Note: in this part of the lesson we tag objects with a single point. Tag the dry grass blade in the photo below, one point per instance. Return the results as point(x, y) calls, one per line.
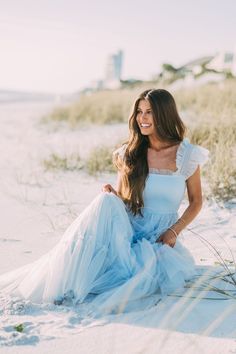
point(217, 254)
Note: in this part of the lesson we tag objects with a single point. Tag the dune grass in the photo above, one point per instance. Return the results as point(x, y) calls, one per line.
point(211, 102)
point(98, 161)
point(101, 107)
point(212, 109)
point(70, 162)
point(220, 171)
point(213, 125)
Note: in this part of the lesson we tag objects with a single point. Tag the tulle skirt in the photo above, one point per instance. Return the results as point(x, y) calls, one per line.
point(101, 262)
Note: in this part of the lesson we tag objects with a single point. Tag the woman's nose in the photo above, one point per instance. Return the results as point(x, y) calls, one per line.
point(143, 115)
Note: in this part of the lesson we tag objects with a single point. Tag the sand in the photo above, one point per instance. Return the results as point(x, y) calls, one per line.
point(36, 207)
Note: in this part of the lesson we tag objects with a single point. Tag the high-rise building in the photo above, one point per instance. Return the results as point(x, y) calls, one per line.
point(114, 69)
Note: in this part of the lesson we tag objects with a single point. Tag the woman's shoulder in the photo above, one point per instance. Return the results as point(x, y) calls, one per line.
point(190, 156)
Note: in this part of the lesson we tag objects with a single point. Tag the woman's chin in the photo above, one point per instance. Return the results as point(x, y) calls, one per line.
point(145, 133)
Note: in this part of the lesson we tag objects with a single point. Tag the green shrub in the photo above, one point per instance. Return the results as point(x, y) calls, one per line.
point(19, 327)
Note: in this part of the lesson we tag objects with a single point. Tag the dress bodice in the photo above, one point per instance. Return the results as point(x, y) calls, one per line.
point(164, 189)
point(167, 189)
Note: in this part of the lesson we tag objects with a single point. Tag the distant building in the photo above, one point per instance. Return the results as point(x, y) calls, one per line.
point(113, 70)
point(214, 68)
point(196, 66)
point(223, 61)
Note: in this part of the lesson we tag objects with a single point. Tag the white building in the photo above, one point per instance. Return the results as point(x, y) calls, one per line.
point(114, 70)
point(223, 62)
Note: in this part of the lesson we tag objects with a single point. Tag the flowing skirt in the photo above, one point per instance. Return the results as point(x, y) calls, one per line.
point(99, 261)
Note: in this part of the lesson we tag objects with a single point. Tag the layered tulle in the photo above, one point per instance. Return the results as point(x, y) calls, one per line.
point(100, 255)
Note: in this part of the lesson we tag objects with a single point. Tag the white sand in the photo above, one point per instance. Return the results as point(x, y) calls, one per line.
point(37, 206)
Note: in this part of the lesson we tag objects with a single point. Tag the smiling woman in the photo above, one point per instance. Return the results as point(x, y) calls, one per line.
point(156, 131)
point(125, 245)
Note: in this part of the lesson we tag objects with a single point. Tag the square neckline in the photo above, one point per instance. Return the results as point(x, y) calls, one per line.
point(156, 171)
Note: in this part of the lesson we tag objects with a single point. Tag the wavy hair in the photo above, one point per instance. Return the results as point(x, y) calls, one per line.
point(134, 166)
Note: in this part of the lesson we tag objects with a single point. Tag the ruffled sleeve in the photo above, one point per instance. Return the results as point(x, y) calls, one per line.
point(189, 157)
point(118, 157)
point(120, 152)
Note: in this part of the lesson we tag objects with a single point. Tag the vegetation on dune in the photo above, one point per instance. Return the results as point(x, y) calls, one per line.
point(101, 107)
point(213, 116)
point(98, 161)
point(67, 162)
point(211, 102)
point(214, 127)
point(220, 172)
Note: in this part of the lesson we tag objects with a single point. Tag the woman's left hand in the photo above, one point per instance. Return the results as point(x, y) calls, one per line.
point(108, 188)
point(167, 238)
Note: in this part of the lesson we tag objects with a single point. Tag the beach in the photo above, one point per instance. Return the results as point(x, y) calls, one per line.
point(36, 208)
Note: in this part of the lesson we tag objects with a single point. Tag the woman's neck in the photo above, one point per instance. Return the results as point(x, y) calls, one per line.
point(157, 144)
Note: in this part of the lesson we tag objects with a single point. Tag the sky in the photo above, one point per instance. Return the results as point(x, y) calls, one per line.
point(60, 46)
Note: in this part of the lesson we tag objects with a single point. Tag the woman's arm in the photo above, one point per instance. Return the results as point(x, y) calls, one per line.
point(194, 191)
point(109, 188)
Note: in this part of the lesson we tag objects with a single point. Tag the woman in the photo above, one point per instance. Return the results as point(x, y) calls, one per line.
point(125, 245)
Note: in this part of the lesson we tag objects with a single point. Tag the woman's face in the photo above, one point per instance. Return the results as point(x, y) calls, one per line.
point(145, 118)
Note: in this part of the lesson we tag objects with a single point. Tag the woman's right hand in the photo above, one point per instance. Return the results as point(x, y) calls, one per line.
point(167, 238)
point(108, 188)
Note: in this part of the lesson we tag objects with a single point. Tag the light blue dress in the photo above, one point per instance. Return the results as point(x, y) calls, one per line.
point(108, 258)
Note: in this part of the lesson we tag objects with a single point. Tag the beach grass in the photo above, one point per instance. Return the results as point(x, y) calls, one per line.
point(98, 161)
point(220, 171)
point(213, 125)
point(210, 112)
point(102, 107)
point(210, 102)
point(68, 162)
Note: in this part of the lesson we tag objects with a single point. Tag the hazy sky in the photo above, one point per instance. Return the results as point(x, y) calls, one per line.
point(62, 45)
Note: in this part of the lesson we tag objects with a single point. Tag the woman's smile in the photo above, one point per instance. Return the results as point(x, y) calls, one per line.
point(145, 125)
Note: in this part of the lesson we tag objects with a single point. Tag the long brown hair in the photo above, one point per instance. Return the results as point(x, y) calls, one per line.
point(134, 166)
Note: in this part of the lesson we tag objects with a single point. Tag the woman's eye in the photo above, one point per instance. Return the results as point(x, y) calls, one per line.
point(148, 112)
